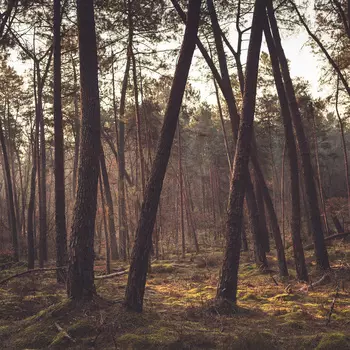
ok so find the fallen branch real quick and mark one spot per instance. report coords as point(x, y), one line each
point(332, 307)
point(306, 287)
point(64, 332)
point(46, 269)
point(32, 271)
point(329, 238)
point(115, 274)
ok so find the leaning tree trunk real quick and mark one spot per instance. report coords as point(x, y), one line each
point(343, 142)
point(299, 257)
point(80, 283)
point(315, 216)
point(227, 287)
point(60, 211)
point(139, 260)
point(11, 204)
point(42, 177)
point(123, 223)
point(109, 200)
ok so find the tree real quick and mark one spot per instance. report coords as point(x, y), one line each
point(60, 211)
point(140, 255)
point(227, 287)
point(315, 216)
point(299, 257)
point(80, 283)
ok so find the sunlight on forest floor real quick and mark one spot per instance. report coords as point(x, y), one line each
point(35, 314)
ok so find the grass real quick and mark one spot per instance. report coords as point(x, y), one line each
point(178, 310)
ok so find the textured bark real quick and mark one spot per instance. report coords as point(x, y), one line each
point(11, 204)
point(76, 130)
point(234, 117)
point(105, 227)
point(299, 257)
point(110, 213)
point(308, 172)
point(140, 255)
point(123, 224)
point(343, 142)
point(227, 287)
point(42, 174)
point(60, 214)
point(319, 177)
point(181, 194)
point(81, 259)
point(31, 204)
point(262, 218)
point(254, 221)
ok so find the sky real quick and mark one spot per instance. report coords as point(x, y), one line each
point(303, 63)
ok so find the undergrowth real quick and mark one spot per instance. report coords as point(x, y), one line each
point(178, 309)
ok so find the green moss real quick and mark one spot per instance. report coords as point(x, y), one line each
point(251, 296)
point(162, 268)
point(293, 324)
point(252, 341)
point(36, 336)
point(285, 297)
point(159, 338)
point(333, 341)
point(82, 328)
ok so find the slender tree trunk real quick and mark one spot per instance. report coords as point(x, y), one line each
point(181, 194)
point(108, 254)
point(227, 287)
point(139, 259)
point(345, 151)
point(226, 88)
point(123, 224)
point(109, 200)
point(319, 177)
point(282, 194)
point(60, 207)
point(42, 175)
point(11, 204)
point(81, 260)
point(76, 129)
point(315, 217)
point(262, 218)
point(31, 235)
point(299, 257)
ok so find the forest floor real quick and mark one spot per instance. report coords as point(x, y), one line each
point(273, 313)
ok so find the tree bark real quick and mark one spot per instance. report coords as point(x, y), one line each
point(227, 287)
point(299, 257)
point(123, 224)
point(108, 251)
point(80, 283)
point(60, 207)
point(109, 200)
point(139, 259)
point(11, 204)
point(315, 217)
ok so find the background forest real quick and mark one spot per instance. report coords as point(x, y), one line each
point(132, 147)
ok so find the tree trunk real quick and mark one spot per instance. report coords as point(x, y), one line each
point(181, 194)
point(139, 259)
point(76, 130)
point(319, 177)
point(123, 224)
point(343, 142)
point(299, 257)
point(81, 263)
point(60, 207)
point(11, 204)
point(262, 218)
point(109, 200)
point(108, 254)
point(227, 287)
point(315, 217)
